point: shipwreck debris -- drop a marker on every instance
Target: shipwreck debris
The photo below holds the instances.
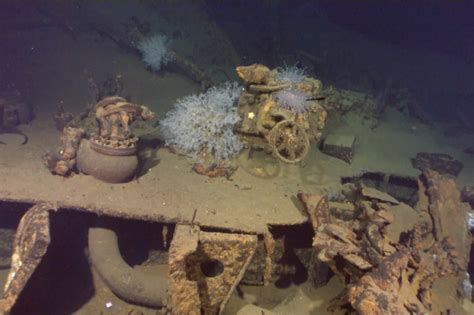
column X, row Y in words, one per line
column 340, row 146
column 140, row 288
column 439, row 162
column 401, row 187
column 205, row 267
column 280, row 115
column 63, row 161
column 30, row 245
column 391, row 256
column 110, row 154
column 214, row 169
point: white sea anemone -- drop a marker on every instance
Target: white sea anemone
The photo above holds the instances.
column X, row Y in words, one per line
column 292, row 99
column 291, row 73
column 154, row 51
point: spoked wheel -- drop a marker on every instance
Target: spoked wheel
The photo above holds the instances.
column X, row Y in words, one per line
column 289, row 141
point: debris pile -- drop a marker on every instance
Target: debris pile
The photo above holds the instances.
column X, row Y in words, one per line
column 390, row 256
column 280, row 110
column 439, row 162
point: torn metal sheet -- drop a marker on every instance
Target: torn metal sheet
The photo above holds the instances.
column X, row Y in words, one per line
column 31, row 242
column 205, row 267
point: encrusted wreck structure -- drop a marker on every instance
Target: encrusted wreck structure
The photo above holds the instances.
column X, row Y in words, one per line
column 390, row 256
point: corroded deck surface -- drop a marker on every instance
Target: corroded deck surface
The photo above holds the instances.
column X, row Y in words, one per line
column 170, row 191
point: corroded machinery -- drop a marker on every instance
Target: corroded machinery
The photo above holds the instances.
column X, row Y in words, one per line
column 267, row 124
column 110, row 154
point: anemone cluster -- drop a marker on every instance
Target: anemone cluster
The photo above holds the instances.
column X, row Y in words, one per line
column 291, row 73
column 292, row 99
column 205, row 123
column 154, row 51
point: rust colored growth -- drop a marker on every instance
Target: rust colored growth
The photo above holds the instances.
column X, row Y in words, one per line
column 115, row 115
column 31, row 242
column 214, row 170
column 116, row 104
column 63, row 161
column 270, row 246
column 106, row 146
column 70, row 140
column 385, row 290
column 205, row 268
column 289, row 141
column 184, row 293
column 254, row 74
column 110, row 100
column 386, row 273
column 448, row 213
column 317, row 208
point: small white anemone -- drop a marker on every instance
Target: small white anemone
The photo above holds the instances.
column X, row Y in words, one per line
column 292, row 99
column 154, row 51
column 291, row 73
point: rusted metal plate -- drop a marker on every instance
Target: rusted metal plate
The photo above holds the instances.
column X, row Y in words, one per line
column 168, row 191
column 205, row 267
column 31, row 242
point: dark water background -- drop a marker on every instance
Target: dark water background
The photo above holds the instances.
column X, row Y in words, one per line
column 424, row 46
column 428, row 45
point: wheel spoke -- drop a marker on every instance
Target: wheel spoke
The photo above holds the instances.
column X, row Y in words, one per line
column 289, row 141
column 292, row 155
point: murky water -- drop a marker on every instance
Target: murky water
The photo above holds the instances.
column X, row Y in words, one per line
column 329, row 99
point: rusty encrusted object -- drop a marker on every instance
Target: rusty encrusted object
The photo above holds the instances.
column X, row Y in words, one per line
column 63, row 161
column 253, row 88
column 205, row 267
column 115, row 114
column 286, row 132
column 448, row 212
column 270, row 244
column 140, row 288
column 289, row 141
column 384, row 290
column 439, row 162
column 392, row 271
column 31, row 242
column 317, row 208
column 256, row 74
column 214, row 169
column 114, row 147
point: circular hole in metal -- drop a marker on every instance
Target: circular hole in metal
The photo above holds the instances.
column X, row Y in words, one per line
column 212, row 268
